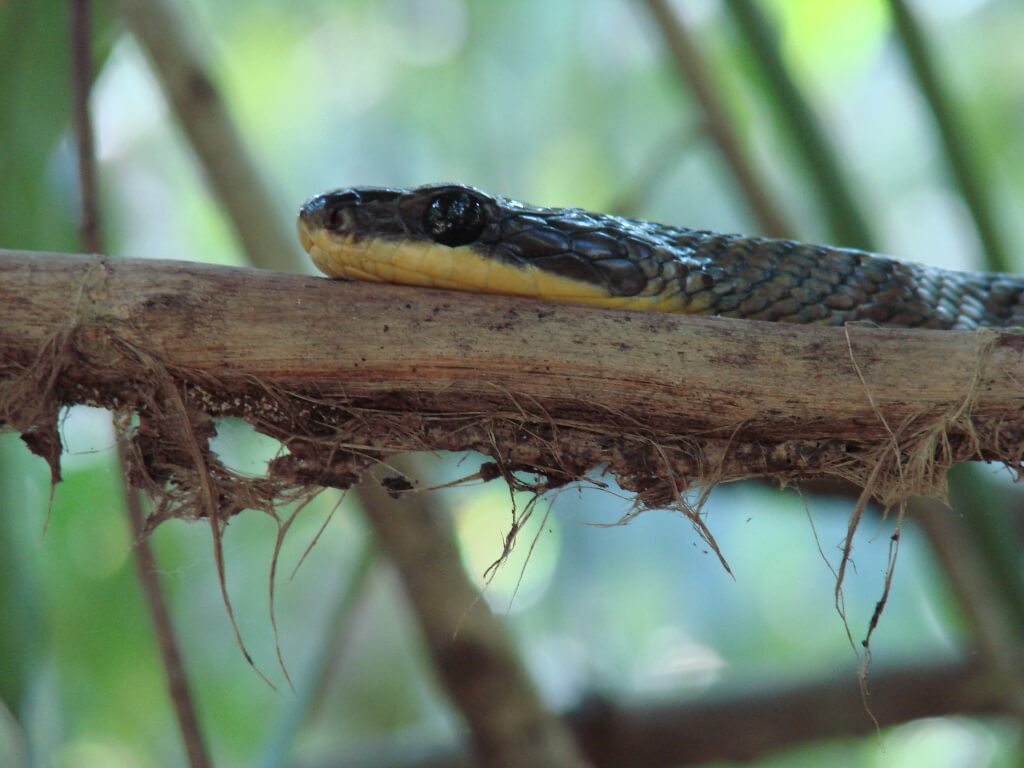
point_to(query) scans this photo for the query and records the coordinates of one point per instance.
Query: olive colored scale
(458, 237)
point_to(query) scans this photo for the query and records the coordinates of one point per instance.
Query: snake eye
(454, 219)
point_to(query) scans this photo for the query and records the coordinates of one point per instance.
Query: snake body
(458, 237)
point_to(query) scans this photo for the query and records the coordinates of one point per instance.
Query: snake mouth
(408, 262)
(426, 264)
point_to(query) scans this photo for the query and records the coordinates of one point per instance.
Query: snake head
(454, 236)
(449, 214)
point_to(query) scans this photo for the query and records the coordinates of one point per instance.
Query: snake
(458, 237)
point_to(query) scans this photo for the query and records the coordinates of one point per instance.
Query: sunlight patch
(522, 579)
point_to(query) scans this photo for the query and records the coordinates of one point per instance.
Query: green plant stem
(986, 523)
(91, 238)
(963, 163)
(716, 121)
(992, 525)
(334, 641)
(839, 205)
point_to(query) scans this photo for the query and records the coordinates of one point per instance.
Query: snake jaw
(334, 228)
(427, 264)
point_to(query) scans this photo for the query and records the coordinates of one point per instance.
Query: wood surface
(774, 398)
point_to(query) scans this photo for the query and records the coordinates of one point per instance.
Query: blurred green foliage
(556, 103)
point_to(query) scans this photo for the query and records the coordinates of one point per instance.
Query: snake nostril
(312, 212)
(337, 209)
(331, 210)
(335, 217)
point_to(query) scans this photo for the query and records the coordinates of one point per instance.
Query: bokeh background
(574, 102)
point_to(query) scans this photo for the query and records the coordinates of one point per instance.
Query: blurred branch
(717, 121)
(968, 538)
(179, 690)
(222, 154)
(333, 643)
(970, 578)
(822, 165)
(963, 163)
(145, 562)
(747, 726)
(13, 739)
(472, 652)
(81, 85)
(994, 531)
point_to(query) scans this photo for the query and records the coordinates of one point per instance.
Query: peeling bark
(347, 373)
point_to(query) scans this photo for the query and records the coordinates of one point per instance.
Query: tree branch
(347, 373)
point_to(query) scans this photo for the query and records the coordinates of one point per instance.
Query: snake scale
(458, 237)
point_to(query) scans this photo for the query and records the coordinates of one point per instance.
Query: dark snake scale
(451, 236)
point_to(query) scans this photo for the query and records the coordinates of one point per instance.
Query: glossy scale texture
(579, 256)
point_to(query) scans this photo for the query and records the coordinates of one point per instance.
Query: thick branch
(345, 373)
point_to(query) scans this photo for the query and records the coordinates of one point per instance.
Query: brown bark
(346, 373)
